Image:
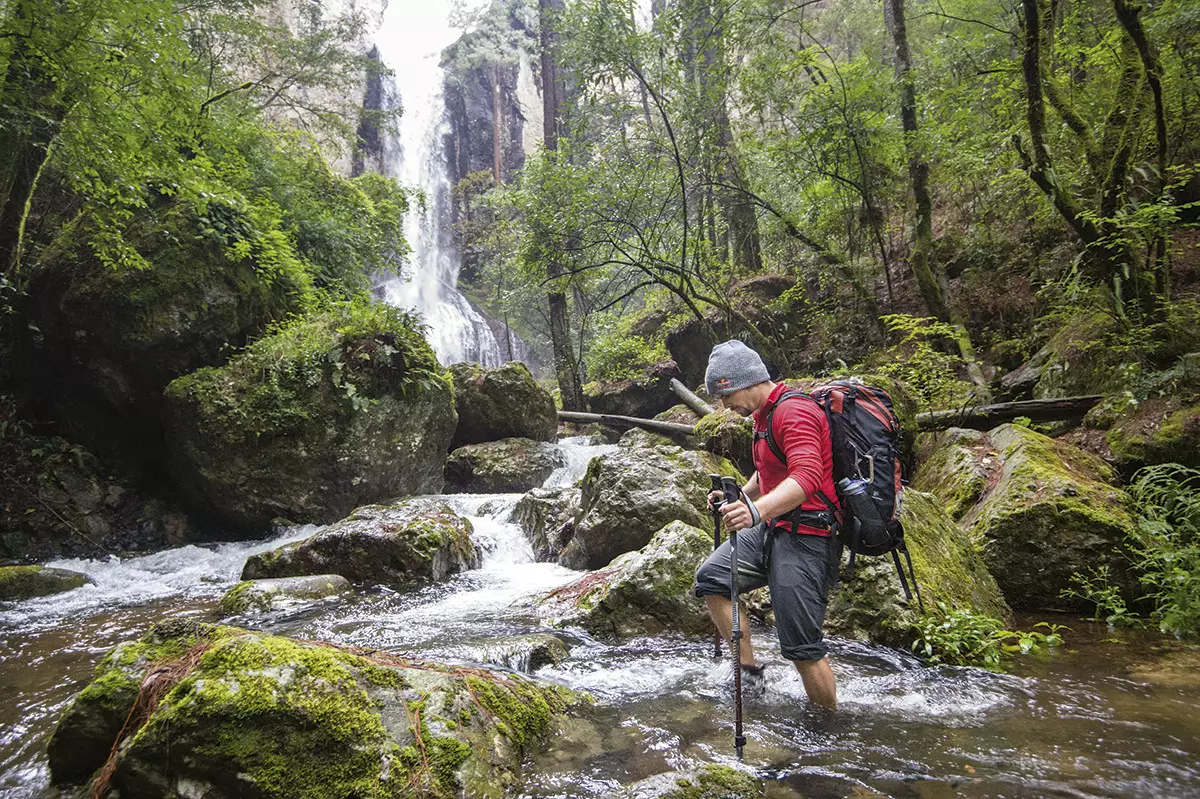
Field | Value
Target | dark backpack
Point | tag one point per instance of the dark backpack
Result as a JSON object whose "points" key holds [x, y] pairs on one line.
{"points": [[865, 438]]}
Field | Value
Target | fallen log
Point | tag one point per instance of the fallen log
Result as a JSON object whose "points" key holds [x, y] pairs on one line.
{"points": [[985, 417], [690, 399], [625, 422]]}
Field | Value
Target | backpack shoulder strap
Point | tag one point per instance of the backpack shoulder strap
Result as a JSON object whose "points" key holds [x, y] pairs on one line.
{"points": [[769, 433]]}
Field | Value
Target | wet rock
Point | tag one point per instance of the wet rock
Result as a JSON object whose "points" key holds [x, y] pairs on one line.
{"points": [[329, 414], [249, 714], [27, 582], [640, 593], [957, 469], [644, 397], [498, 467], [1047, 511], [417, 540], [522, 653], [505, 402], [869, 605], [728, 435], [630, 494], [260, 596], [1158, 430], [547, 517], [710, 781]]}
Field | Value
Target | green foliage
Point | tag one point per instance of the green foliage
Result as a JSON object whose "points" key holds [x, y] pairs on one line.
{"points": [[963, 638], [1165, 545], [617, 355], [915, 360], [1096, 585]]}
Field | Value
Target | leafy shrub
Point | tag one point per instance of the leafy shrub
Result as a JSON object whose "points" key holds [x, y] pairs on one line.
{"points": [[1097, 587], [915, 360], [963, 638], [1165, 545], [617, 355]]}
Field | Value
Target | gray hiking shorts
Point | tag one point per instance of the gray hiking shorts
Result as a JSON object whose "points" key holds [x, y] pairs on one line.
{"points": [[800, 569]]}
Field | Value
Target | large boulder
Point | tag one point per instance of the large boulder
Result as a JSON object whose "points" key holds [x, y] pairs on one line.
{"points": [[27, 582], [231, 713], [547, 517], [1046, 511], [505, 466], [260, 596], [640, 593], [1076, 360], [643, 397], [957, 469], [630, 494], [1157, 430], [417, 540], [869, 605], [333, 412], [505, 402], [114, 333], [728, 435]]}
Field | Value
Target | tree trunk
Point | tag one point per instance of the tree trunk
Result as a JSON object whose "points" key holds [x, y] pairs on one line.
{"points": [[497, 127], [929, 282], [566, 367]]}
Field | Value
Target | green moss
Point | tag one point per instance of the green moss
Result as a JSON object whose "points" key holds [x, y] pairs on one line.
{"points": [[26, 582], [242, 597], [716, 782], [521, 710]]}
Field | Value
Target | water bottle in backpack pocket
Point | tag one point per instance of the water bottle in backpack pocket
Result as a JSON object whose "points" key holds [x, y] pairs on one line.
{"points": [[863, 530]]}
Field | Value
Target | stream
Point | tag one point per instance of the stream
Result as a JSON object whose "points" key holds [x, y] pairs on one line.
{"points": [[1098, 718]]}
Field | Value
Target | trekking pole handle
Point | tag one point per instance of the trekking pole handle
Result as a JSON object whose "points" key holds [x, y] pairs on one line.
{"points": [[733, 492]]}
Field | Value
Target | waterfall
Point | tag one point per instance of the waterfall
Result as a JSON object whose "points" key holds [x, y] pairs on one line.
{"points": [[410, 42]]}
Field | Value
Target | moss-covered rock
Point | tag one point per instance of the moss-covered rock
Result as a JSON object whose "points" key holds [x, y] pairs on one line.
{"points": [[27, 582], [1158, 430], [869, 604], [728, 435], [249, 714], [341, 409], [1048, 510], [505, 466], [957, 469], [630, 494], [260, 596], [505, 402], [644, 397], [547, 517], [113, 335], [640, 593], [414, 541], [1076, 360], [710, 781]]}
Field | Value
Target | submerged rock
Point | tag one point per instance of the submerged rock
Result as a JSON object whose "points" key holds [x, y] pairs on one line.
{"points": [[27, 582], [630, 494], [499, 467], [259, 596], [547, 517], [869, 605], [710, 781], [505, 402], [1048, 510], [524, 653], [344, 409], [640, 593], [241, 713], [414, 541]]}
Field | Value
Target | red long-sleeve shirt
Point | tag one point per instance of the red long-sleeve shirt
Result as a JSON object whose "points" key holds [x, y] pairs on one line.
{"points": [[802, 432]]}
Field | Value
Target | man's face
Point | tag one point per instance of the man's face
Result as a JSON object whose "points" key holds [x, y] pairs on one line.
{"points": [[740, 402]]}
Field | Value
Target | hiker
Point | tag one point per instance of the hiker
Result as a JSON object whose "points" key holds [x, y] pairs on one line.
{"points": [[794, 550]]}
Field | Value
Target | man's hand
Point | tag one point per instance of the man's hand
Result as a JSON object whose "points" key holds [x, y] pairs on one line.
{"points": [[715, 498], [736, 515]]}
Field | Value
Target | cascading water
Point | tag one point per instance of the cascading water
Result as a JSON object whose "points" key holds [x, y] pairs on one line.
{"points": [[410, 42]]}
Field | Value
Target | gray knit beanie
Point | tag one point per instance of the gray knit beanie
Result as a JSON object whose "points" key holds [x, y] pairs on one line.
{"points": [[733, 366]]}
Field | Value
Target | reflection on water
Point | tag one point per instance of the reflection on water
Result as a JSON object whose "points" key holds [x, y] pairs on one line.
{"points": [[1096, 720]]}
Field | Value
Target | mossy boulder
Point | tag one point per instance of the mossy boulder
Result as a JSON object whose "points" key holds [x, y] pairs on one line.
{"points": [[1076, 360], [260, 596], [710, 781], [249, 714], [644, 397], [957, 469], [630, 494], [417, 540], [1157, 430], [335, 411], [869, 605], [547, 517], [114, 334], [728, 435], [505, 466], [27, 582], [1049, 509], [646, 592], [505, 402]]}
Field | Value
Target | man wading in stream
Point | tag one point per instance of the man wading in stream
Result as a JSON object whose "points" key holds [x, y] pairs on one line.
{"points": [[794, 550]]}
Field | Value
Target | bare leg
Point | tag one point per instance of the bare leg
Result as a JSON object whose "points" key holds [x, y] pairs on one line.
{"points": [[721, 610], [819, 682]]}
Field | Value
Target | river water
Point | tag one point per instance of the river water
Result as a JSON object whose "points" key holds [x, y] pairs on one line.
{"points": [[1096, 719]]}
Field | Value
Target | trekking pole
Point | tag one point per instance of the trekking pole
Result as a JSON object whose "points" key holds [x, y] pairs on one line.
{"points": [[716, 514], [730, 489]]}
